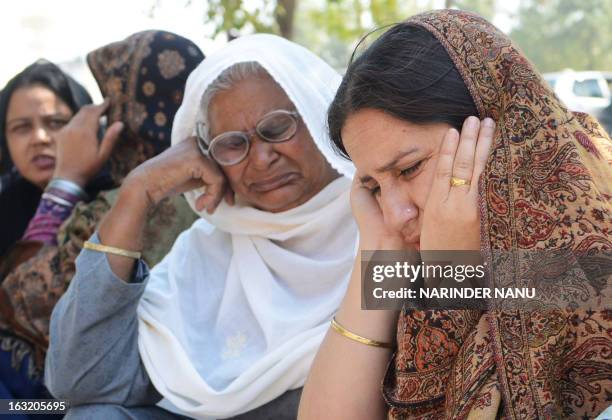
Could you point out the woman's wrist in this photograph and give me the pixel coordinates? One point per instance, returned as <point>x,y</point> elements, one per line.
<point>54,208</point>
<point>377,325</point>
<point>77,179</point>
<point>135,192</point>
<point>123,227</point>
<point>61,187</point>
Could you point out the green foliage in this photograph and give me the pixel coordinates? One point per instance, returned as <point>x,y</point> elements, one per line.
<point>332,28</point>
<point>239,14</point>
<point>554,34</point>
<point>558,34</point>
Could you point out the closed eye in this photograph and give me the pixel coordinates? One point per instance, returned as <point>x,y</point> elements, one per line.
<point>411,169</point>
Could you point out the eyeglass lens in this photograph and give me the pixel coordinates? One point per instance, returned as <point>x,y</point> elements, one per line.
<point>233,147</point>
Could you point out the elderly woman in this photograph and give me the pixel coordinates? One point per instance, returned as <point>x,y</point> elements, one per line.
<point>416,113</point>
<point>228,323</point>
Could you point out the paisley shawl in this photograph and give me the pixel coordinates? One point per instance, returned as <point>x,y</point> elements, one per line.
<point>547,187</point>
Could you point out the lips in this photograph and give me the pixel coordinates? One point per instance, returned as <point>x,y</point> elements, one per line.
<point>273,183</point>
<point>44,162</point>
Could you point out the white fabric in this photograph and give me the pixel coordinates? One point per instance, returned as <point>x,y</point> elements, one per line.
<point>234,314</point>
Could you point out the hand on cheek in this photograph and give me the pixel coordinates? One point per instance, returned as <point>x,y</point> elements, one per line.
<point>451,219</point>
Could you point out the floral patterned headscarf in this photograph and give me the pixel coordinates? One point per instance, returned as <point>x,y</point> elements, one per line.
<point>134,74</point>
<point>548,188</point>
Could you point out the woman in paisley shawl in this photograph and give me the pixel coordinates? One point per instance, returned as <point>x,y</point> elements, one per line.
<point>545,187</point>
<point>143,79</point>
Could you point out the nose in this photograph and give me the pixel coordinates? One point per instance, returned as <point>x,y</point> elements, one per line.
<point>399,211</point>
<point>41,135</point>
<point>262,154</point>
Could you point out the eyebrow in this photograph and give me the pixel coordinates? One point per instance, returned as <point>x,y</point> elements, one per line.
<point>55,114</point>
<point>388,166</point>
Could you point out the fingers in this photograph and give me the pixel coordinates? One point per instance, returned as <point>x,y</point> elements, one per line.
<point>216,185</point>
<point>88,117</point>
<point>229,197</point>
<point>109,141</point>
<point>446,158</point>
<point>463,166</point>
<point>483,148</point>
<point>97,110</point>
<point>214,194</point>
<point>211,198</point>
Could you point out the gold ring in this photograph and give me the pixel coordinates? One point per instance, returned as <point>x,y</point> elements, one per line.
<point>455,182</point>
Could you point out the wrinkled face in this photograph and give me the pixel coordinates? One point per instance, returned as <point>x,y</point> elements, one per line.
<point>396,161</point>
<point>33,117</point>
<point>273,177</point>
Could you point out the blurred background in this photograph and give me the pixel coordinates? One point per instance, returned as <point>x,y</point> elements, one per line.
<point>570,41</point>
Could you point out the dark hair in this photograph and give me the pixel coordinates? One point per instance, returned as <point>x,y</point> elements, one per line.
<point>45,73</point>
<point>18,197</point>
<point>406,73</point>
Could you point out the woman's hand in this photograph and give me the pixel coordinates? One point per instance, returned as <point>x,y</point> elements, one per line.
<point>373,234</point>
<point>79,154</point>
<point>452,218</point>
<point>179,169</point>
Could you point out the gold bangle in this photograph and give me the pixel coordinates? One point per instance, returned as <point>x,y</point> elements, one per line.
<point>343,331</point>
<point>111,250</point>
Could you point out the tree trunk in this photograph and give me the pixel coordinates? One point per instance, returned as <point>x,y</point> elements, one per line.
<point>284,14</point>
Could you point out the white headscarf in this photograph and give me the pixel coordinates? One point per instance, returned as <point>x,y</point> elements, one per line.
<point>234,315</point>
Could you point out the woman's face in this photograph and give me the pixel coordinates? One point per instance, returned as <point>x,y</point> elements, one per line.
<point>33,117</point>
<point>274,176</point>
<point>396,161</point>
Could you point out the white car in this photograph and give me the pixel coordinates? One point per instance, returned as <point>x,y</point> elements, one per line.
<point>585,91</point>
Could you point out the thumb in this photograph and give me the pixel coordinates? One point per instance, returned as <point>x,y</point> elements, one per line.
<point>110,140</point>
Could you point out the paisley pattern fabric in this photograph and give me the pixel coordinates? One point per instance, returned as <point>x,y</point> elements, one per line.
<point>547,187</point>
<point>144,76</point>
<point>34,287</point>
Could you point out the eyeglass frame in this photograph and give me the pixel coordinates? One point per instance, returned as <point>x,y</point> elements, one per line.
<point>206,146</point>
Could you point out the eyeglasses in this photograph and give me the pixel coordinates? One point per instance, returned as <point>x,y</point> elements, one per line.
<point>232,147</point>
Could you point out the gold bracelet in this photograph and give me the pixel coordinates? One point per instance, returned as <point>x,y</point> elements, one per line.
<point>111,250</point>
<point>343,331</point>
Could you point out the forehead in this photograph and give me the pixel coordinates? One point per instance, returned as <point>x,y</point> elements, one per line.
<point>35,99</point>
<point>372,137</point>
<point>246,102</point>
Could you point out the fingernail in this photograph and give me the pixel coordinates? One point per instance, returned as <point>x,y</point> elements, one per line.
<point>473,122</point>
<point>488,122</point>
